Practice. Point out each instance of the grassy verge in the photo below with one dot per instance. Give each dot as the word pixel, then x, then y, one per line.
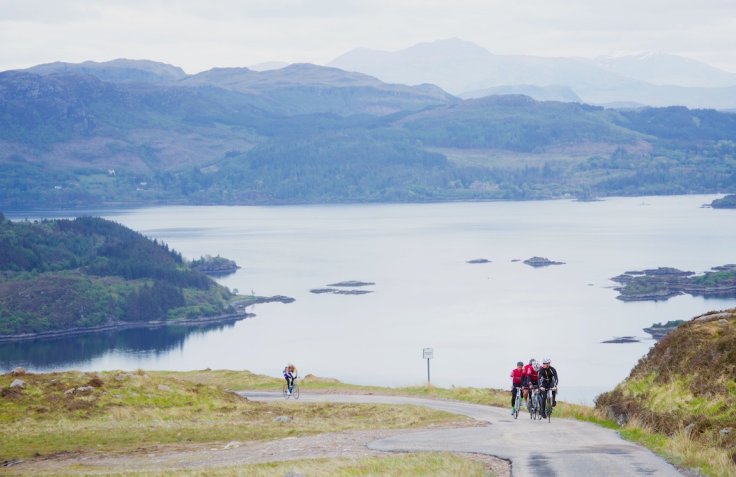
pixel 401 465
pixel 117 411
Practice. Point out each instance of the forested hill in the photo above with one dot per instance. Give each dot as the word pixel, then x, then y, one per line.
pixel 127 132
pixel 87 272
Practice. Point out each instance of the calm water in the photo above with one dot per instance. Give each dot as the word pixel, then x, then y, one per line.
pixel 480 319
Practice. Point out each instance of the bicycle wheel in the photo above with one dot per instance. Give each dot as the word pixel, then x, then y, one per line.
pixel 549 406
pixel 285 391
pixel 517 404
pixel 295 391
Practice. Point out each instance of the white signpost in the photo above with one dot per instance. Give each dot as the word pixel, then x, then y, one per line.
pixel 427 353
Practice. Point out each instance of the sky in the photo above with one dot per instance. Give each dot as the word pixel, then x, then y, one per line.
pixel 199 35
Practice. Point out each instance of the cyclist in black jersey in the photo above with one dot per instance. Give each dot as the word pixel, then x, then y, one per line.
pixel 548 379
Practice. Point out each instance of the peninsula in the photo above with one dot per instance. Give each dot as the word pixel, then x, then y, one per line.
pixel 69 277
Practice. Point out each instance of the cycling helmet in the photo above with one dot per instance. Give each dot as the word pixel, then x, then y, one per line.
pixel 535 366
pixel 532 361
pixel 546 361
pixel 520 363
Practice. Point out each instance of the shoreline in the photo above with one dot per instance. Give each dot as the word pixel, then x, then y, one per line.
pixel 71 332
pixel 240 314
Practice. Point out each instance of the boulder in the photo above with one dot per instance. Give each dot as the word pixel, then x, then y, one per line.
pixel 18 383
pixel 282 419
pixel 18 371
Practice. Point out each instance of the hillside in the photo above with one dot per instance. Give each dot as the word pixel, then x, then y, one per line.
pixel 132 133
pixel 685 383
pixel 88 272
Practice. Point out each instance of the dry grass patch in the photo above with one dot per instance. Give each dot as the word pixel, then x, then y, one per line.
pixel 117 411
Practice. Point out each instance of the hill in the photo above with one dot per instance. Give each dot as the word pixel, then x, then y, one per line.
pixel 63 275
pixel 78 135
pixel 685 384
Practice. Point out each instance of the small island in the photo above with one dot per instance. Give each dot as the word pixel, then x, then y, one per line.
pixel 215 266
pixel 335 291
pixel 659 330
pixel 350 283
pixel 478 260
pixel 727 202
pixel 664 283
pixel 541 262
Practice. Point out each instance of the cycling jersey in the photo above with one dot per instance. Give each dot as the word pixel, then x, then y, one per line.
pixel 530 376
pixel 517 376
pixel 548 376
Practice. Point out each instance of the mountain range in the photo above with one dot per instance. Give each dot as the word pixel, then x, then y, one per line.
pixel 468 70
pixel 131 132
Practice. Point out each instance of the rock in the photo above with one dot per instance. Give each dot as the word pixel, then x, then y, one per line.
pixel 282 419
pixel 725 432
pixel 18 383
pixel 163 387
pixel 232 445
pixel 478 260
pixel 622 339
pixel 292 473
pixel 18 371
pixel 619 419
pixel 84 389
pixel 689 429
pixel 69 392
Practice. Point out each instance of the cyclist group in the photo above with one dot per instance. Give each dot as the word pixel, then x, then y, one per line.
pixel 533 378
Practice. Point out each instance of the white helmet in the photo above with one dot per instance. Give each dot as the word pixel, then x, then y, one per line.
pixel 546 361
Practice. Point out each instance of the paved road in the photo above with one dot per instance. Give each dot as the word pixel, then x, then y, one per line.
pixel 563 447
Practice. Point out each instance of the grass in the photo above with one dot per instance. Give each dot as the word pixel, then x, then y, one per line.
pixel 128 411
pixel 121 412
pixel 397 465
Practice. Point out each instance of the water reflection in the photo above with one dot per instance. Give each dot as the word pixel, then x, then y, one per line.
pixel 77 350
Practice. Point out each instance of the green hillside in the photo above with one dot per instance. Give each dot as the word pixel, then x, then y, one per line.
pixel 78 135
pixel 685 385
pixel 87 272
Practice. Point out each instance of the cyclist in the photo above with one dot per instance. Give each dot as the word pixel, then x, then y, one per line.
pixel 531 377
pixel 548 379
pixel 517 381
pixel 290 375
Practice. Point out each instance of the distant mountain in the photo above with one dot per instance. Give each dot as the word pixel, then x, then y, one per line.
pixel 663 69
pixel 306 88
pixel 464 68
pixel 120 70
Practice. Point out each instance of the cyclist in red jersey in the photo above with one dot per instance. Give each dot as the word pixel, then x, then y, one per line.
pixel 517 381
pixel 530 377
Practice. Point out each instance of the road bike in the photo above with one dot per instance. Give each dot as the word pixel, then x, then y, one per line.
pixel 532 403
pixel 293 393
pixel 517 402
pixel 548 398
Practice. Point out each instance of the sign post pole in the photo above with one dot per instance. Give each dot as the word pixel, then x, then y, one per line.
pixel 428 353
